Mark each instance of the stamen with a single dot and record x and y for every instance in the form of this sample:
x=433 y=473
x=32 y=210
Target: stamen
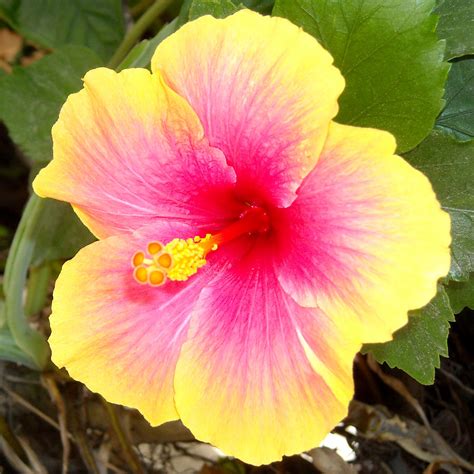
x=181 y=258
x=188 y=256
x=154 y=247
x=141 y=274
x=147 y=269
x=156 y=278
x=164 y=260
x=138 y=259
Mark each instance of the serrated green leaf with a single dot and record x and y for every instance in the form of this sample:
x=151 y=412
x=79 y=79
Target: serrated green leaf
x=417 y=347
x=456 y=25
x=461 y=294
x=457 y=117
x=449 y=165
x=261 y=6
x=31 y=97
x=216 y=8
x=193 y=9
x=390 y=56
x=98 y=25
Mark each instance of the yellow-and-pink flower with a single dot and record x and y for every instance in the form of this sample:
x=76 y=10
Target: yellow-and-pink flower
x=248 y=245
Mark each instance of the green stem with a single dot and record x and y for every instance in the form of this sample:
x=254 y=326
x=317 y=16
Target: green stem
x=137 y=30
x=139 y=7
x=28 y=340
x=38 y=287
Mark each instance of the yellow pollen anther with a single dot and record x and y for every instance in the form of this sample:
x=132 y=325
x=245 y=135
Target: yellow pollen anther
x=141 y=274
x=147 y=270
x=138 y=259
x=156 y=278
x=164 y=260
x=177 y=260
x=188 y=256
x=154 y=247
x=182 y=258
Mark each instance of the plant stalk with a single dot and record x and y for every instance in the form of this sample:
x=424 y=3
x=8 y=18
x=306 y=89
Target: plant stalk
x=137 y=30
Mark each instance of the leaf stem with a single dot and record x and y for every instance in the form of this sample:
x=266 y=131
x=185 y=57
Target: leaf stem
x=137 y=30
x=38 y=287
x=138 y=8
x=28 y=340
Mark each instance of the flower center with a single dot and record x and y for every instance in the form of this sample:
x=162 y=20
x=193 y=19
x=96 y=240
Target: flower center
x=182 y=258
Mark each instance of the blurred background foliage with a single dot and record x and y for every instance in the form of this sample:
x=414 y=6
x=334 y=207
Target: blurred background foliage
x=409 y=67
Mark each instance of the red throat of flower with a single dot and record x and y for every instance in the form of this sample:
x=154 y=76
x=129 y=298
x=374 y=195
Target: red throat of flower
x=181 y=258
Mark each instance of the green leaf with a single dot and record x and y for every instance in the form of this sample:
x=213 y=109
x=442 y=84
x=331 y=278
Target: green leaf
x=8 y=349
x=48 y=230
x=38 y=92
x=59 y=234
x=3 y=314
x=457 y=117
x=39 y=280
x=183 y=16
x=96 y=24
x=449 y=165
x=390 y=56
x=461 y=294
x=456 y=25
x=141 y=54
x=26 y=338
x=11 y=352
x=417 y=347
x=220 y=8
x=216 y=8
x=261 y=6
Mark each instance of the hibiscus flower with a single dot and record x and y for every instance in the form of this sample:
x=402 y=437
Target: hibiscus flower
x=248 y=245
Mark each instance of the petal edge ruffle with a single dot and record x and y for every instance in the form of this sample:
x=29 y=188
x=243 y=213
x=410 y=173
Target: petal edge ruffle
x=244 y=381
x=265 y=92
x=129 y=151
x=374 y=238
x=119 y=338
